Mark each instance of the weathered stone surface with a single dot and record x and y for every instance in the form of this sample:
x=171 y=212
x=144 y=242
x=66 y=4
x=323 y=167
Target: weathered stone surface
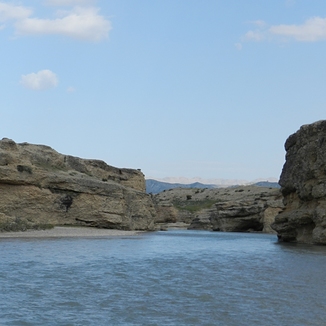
x=303 y=182
x=234 y=209
x=41 y=186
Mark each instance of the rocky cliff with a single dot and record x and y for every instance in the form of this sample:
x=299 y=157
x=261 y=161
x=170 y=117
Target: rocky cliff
x=233 y=209
x=40 y=186
x=303 y=182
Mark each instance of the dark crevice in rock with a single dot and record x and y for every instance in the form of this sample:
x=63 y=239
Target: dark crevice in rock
x=66 y=202
x=24 y=168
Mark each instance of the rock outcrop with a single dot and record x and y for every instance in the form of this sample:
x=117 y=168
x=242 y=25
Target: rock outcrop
x=39 y=186
x=234 y=209
x=303 y=184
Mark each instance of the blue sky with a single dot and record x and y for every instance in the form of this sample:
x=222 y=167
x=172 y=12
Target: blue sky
x=178 y=88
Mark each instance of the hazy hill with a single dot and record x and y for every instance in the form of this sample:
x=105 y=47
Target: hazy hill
x=267 y=184
x=155 y=187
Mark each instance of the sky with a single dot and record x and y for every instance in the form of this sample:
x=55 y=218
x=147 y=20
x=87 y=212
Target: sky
x=177 y=88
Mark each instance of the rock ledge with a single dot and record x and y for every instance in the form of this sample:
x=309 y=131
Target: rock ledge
x=40 y=186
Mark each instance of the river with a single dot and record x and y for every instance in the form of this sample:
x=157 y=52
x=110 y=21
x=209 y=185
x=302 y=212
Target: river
x=176 y=277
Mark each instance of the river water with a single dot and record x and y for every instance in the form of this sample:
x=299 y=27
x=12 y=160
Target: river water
x=162 y=278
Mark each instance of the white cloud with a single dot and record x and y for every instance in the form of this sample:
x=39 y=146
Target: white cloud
x=80 y=23
x=12 y=12
x=314 y=29
x=41 y=80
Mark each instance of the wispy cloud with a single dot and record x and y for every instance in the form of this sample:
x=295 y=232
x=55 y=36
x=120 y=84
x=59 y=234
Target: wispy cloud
x=256 y=36
x=259 y=23
x=80 y=22
x=42 y=80
x=13 y=12
x=71 y=89
x=312 y=30
x=238 y=45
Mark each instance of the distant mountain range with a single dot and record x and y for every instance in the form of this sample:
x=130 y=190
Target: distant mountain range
x=267 y=184
x=155 y=187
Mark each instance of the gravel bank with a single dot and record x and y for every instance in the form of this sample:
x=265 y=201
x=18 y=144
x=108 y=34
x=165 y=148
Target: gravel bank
x=71 y=232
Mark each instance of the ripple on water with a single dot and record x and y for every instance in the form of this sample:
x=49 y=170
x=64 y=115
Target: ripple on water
x=163 y=278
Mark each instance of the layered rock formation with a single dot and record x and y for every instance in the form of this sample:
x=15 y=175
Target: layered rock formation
x=303 y=182
x=234 y=209
x=40 y=186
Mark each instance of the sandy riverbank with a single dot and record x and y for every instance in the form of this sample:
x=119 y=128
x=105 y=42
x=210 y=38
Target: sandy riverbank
x=71 y=232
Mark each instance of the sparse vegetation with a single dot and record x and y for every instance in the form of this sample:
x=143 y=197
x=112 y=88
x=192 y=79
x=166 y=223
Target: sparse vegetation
x=16 y=224
x=194 y=206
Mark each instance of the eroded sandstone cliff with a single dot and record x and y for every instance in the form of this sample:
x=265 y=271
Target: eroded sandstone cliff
x=40 y=186
x=234 y=209
x=303 y=182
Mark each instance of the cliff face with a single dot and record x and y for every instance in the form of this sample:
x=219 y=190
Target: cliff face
x=234 y=209
x=303 y=182
x=254 y=211
x=40 y=186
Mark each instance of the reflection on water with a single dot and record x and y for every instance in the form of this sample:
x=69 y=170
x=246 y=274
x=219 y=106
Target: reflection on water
x=162 y=278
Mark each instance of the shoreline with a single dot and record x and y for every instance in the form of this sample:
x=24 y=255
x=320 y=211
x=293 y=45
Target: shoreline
x=69 y=232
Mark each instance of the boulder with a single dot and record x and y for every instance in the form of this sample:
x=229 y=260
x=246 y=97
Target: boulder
x=40 y=186
x=303 y=184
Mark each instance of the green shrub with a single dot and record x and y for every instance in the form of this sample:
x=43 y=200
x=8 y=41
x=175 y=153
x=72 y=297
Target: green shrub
x=194 y=206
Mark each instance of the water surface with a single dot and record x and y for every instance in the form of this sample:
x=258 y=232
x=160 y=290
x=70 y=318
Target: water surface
x=162 y=278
